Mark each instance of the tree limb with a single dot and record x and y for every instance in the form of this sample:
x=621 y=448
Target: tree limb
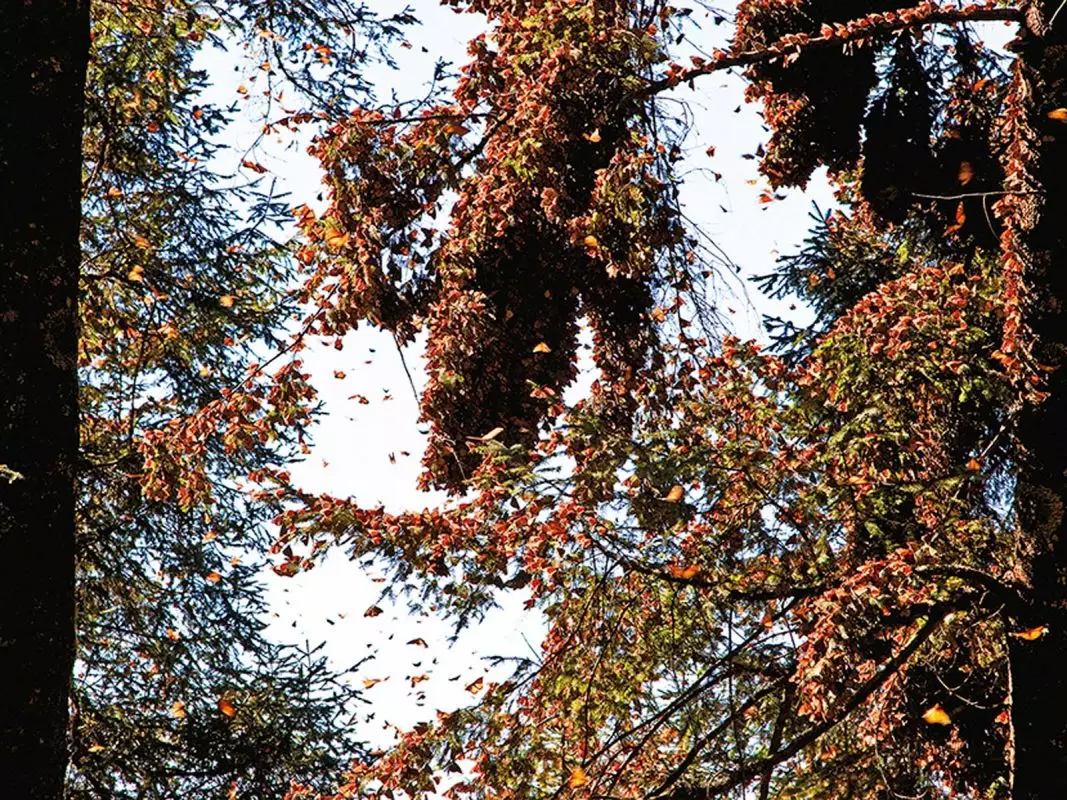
x=741 y=775
x=792 y=45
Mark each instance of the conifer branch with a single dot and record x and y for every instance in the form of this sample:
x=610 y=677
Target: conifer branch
x=792 y=45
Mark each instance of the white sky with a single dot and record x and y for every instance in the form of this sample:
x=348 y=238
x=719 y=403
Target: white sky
x=353 y=444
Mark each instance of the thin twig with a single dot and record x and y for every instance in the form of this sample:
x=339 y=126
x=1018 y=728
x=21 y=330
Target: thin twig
x=1056 y=13
x=404 y=364
x=965 y=195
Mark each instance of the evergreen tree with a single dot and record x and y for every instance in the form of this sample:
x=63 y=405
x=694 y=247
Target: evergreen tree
x=176 y=692
x=184 y=287
x=43 y=72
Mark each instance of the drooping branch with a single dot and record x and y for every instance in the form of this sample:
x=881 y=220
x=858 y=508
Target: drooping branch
x=663 y=573
x=790 y=46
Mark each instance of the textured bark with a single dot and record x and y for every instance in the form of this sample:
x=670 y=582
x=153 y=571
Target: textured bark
x=1039 y=668
x=42 y=72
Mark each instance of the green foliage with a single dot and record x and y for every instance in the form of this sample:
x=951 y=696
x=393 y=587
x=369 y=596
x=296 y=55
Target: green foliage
x=795 y=574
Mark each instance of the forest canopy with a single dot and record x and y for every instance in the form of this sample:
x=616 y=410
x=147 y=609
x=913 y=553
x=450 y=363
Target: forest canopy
x=826 y=565
x=809 y=570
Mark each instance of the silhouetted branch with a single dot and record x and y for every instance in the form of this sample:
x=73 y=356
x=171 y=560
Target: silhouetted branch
x=752 y=769
x=792 y=45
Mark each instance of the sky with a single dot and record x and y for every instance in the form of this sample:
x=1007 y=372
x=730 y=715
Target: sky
x=372 y=452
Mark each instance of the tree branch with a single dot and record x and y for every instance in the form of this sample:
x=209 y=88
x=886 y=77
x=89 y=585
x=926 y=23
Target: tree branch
x=784 y=710
x=766 y=593
x=693 y=793
x=1013 y=595
x=792 y=45
x=743 y=774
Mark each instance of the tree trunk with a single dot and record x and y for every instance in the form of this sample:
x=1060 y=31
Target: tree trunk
x=1039 y=667
x=42 y=73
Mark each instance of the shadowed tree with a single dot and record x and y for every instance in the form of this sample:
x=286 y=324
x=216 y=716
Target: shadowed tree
x=43 y=73
x=176 y=692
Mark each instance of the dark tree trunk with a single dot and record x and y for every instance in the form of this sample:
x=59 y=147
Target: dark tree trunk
x=1039 y=667
x=43 y=57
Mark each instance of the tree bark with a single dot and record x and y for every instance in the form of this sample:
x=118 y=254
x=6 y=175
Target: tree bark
x=1039 y=667
x=42 y=73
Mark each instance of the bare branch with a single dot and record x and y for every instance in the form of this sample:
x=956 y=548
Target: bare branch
x=965 y=195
